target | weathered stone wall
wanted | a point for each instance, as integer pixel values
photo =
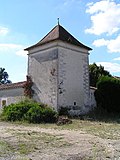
(12, 92)
(60, 75)
(11, 95)
(73, 78)
(86, 85)
(43, 71)
(92, 97)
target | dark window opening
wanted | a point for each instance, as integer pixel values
(74, 103)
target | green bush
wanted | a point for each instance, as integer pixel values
(100, 114)
(39, 114)
(108, 94)
(63, 111)
(29, 111)
(17, 112)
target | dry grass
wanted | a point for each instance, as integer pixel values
(81, 140)
(100, 129)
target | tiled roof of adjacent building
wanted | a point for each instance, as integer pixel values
(59, 33)
(12, 85)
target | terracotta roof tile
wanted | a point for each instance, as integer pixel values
(59, 33)
(12, 85)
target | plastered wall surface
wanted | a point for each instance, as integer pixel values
(43, 71)
(60, 75)
(11, 95)
(73, 78)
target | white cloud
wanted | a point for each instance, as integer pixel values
(116, 59)
(3, 31)
(7, 46)
(111, 67)
(105, 17)
(112, 45)
(100, 42)
(68, 2)
(22, 53)
(67, 5)
(13, 49)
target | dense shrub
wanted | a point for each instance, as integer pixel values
(17, 111)
(63, 111)
(39, 114)
(100, 114)
(29, 111)
(108, 94)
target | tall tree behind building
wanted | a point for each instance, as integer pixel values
(96, 72)
(4, 77)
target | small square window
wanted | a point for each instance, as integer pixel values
(4, 102)
(75, 103)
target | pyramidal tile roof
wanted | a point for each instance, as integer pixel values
(59, 33)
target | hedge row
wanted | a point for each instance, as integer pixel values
(108, 94)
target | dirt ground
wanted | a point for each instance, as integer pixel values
(31, 142)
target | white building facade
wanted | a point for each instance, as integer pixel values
(11, 93)
(58, 67)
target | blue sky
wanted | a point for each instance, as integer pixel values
(24, 22)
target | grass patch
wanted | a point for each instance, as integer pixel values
(102, 115)
(5, 148)
(103, 130)
(30, 141)
(26, 143)
(100, 129)
(24, 148)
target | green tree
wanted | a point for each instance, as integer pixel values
(96, 72)
(108, 93)
(4, 77)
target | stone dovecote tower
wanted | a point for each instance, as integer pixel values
(58, 66)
